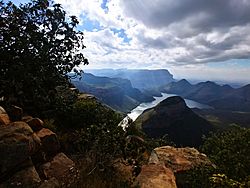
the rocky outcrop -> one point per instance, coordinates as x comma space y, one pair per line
167, 163
50, 143
60, 167
26, 146
181, 159
174, 118
4, 118
27, 176
36, 124
17, 143
156, 176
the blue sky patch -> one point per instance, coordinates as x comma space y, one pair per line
89, 25
104, 6
121, 33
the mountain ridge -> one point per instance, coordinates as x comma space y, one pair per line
218, 96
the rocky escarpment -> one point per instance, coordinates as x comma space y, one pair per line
118, 93
167, 164
30, 154
174, 118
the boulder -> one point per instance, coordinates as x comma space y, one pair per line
50, 143
60, 167
26, 177
156, 176
36, 124
4, 118
17, 143
16, 113
181, 159
26, 118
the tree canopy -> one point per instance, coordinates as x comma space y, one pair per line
39, 46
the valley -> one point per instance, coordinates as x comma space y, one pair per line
133, 91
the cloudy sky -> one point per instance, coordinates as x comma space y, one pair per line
199, 39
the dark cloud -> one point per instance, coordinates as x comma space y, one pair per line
208, 30
204, 14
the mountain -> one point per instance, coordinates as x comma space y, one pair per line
222, 97
238, 100
115, 92
142, 79
177, 87
173, 117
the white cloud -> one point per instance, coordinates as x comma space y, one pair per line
165, 33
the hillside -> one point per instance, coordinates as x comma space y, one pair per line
115, 92
222, 97
173, 117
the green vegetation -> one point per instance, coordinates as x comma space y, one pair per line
229, 151
39, 46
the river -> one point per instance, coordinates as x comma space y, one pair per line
143, 106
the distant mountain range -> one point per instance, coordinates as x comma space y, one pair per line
118, 93
174, 118
220, 97
142, 79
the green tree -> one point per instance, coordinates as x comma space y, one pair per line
39, 46
229, 151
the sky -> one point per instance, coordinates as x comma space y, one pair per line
193, 39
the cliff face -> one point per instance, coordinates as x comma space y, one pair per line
115, 92
142, 79
173, 117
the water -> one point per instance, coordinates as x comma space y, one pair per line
143, 106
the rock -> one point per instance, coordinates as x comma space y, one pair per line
156, 176
51, 183
4, 118
26, 177
17, 143
50, 143
36, 124
16, 113
60, 167
181, 159
26, 118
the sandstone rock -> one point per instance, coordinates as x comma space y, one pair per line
26, 118
181, 159
26, 177
36, 124
16, 113
17, 143
59, 167
50, 143
4, 118
156, 176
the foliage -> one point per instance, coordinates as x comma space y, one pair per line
39, 45
222, 181
197, 177
229, 150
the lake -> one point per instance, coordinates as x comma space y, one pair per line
143, 106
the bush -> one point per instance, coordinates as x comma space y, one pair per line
229, 151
